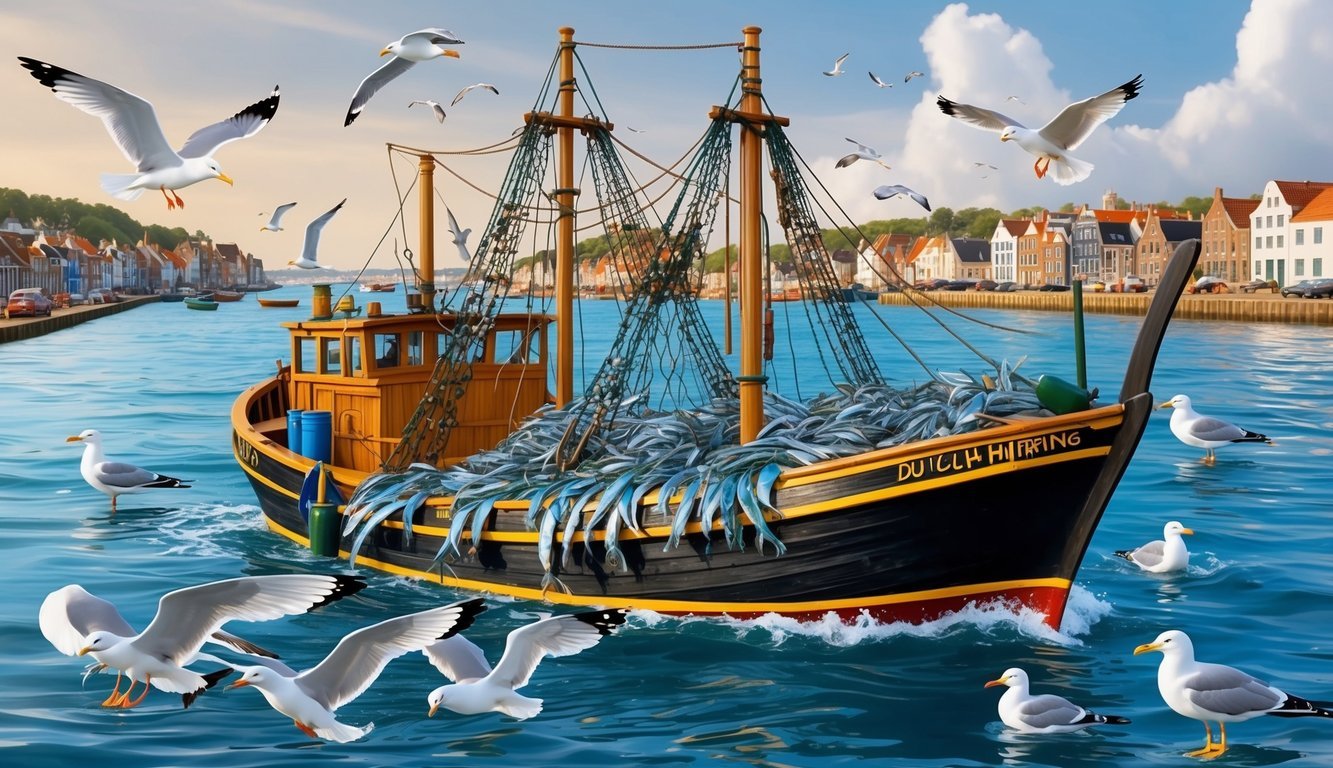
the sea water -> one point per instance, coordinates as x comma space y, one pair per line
159, 381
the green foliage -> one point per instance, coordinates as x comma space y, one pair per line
1196, 205
94, 222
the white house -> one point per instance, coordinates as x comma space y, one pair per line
1004, 248
1273, 253
1311, 242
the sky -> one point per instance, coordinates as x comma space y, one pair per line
1233, 96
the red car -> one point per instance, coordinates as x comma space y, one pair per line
29, 302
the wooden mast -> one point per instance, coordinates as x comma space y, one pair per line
751, 377
426, 247
564, 252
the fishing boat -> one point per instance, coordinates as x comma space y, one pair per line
278, 302
432, 445
228, 295
378, 287
205, 303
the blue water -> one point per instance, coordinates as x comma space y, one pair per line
158, 382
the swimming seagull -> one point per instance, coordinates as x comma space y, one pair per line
310, 245
434, 107
478, 688
1053, 142
913, 74
71, 613
464, 92
186, 619
1045, 713
1193, 428
862, 153
422, 45
133, 125
311, 697
1162, 556
875, 79
115, 478
886, 191
1216, 692
837, 66
274, 224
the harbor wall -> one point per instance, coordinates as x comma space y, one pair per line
1237, 308
29, 327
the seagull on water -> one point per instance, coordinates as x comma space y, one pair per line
311, 697
1053, 142
837, 66
1193, 428
434, 107
862, 153
187, 618
1044, 713
275, 223
465, 90
310, 246
114, 477
133, 125
422, 45
71, 613
478, 688
885, 191
1217, 692
874, 78
1163, 556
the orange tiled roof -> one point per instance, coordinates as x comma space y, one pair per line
1238, 209
1015, 227
917, 248
1299, 194
1318, 209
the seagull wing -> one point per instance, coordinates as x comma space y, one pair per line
457, 658
1047, 709
187, 617
985, 119
1225, 690
562, 635
70, 613
129, 119
1149, 554
463, 92
1076, 121
310, 248
875, 79
278, 212
360, 657
1208, 428
117, 474
205, 141
435, 36
373, 82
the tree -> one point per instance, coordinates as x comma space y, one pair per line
941, 221
96, 230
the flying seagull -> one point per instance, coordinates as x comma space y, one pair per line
477, 688
979, 164
434, 107
874, 78
310, 246
837, 66
460, 236
1052, 143
115, 478
71, 613
464, 92
133, 125
1044, 713
311, 697
1164, 555
886, 191
1015, 98
862, 153
1217, 692
1193, 428
422, 45
913, 74
186, 619
275, 223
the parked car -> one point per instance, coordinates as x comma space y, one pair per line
958, 285
1131, 284
101, 296
1314, 288
1096, 286
985, 285
1297, 289
931, 285
1053, 287
1208, 284
28, 302
1006, 286
1258, 285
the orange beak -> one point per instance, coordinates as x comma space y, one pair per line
239, 684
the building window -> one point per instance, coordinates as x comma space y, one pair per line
1300, 237
1318, 235
1281, 219
1258, 242
1268, 243
1300, 267
1317, 267
1270, 222
1279, 241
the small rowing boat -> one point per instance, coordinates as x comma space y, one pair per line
278, 302
200, 302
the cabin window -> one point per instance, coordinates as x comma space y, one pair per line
387, 354
331, 361
354, 355
517, 346
414, 348
305, 359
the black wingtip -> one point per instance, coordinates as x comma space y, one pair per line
603, 621
211, 679
265, 108
343, 586
1125, 553
46, 74
946, 106
351, 115
1115, 720
1133, 87
467, 614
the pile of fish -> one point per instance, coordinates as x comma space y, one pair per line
691, 453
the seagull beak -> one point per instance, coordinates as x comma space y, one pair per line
74, 439
451, 53
84, 650
239, 684
385, 52
993, 683
1167, 404
1146, 648
1004, 138
1187, 531
224, 177
433, 707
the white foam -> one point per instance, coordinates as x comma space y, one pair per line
196, 529
1082, 611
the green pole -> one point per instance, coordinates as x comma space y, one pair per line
1080, 356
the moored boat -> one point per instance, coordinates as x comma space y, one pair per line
278, 302
228, 295
200, 302
460, 466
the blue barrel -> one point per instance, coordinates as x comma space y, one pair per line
294, 430
317, 435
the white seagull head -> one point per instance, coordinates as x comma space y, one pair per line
1013, 677
86, 436
1174, 528
1169, 643
1179, 401
100, 640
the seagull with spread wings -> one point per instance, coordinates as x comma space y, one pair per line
862, 153
887, 191
474, 86
874, 78
275, 223
133, 125
434, 108
310, 246
422, 45
1053, 142
837, 66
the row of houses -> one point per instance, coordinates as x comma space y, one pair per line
63, 262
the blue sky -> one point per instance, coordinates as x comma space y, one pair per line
1220, 106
